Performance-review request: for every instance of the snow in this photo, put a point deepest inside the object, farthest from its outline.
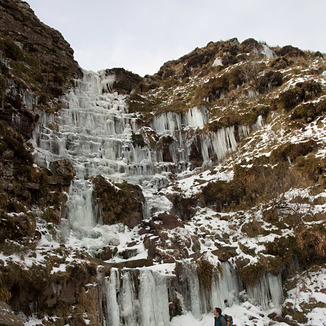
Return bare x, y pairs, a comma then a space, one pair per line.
61, 268
94, 133
217, 62
309, 289
164, 269
246, 314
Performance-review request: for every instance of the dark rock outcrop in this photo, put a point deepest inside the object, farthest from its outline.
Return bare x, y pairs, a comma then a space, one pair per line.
123, 81
36, 66
46, 45
290, 51
62, 172
8, 317
118, 203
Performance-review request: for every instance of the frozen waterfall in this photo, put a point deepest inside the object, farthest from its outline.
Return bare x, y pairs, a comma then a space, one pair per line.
149, 305
95, 132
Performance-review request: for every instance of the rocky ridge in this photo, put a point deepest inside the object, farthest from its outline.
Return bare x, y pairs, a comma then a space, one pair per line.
262, 206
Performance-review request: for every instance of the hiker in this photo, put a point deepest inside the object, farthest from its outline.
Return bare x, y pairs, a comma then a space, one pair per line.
219, 318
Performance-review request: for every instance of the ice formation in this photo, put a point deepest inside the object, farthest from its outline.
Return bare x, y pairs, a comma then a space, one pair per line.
95, 133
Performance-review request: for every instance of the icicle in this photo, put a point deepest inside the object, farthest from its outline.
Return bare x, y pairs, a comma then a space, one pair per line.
113, 317
167, 123
243, 131
193, 298
225, 287
268, 52
259, 123
218, 144
267, 292
196, 118
153, 299
275, 288
80, 206
128, 303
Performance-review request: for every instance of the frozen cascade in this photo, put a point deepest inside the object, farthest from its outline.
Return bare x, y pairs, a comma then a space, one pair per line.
94, 132
217, 145
146, 307
171, 122
80, 206
177, 126
111, 284
196, 118
227, 290
268, 52
167, 123
153, 299
129, 306
267, 292
225, 287
149, 304
193, 298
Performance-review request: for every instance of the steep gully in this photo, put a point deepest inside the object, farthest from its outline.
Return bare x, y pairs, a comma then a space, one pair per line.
94, 132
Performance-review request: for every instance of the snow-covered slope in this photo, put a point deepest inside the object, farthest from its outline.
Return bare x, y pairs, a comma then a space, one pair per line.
200, 186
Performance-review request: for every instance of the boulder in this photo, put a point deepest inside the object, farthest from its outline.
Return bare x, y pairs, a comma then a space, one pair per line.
166, 221
290, 51
249, 45
117, 203
16, 226
225, 253
124, 81
62, 172
8, 317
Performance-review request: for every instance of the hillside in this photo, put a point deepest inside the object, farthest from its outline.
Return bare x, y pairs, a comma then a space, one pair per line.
129, 200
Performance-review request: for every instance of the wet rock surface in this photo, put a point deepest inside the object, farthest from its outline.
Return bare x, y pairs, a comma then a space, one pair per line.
117, 203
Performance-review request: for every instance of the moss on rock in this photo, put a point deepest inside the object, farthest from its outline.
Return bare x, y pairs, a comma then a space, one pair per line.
117, 203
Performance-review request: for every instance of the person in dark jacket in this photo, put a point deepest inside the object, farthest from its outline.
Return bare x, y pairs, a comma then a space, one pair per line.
219, 318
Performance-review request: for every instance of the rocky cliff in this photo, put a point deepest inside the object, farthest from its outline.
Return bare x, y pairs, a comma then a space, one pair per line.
211, 171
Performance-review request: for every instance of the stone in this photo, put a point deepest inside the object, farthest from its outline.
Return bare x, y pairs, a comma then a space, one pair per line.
8, 317
117, 203
124, 80
225, 253
16, 226
167, 221
62, 172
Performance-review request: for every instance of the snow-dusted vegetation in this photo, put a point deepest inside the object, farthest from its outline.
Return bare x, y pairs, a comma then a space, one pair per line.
150, 201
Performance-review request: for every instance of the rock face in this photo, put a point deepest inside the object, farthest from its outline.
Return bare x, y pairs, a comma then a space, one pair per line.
122, 81
8, 317
62, 172
47, 46
258, 208
36, 66
118, 203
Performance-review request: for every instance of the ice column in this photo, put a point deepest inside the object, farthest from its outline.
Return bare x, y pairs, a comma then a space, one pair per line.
129, 305
147, 306
113, 317
267, 292
218, 144
225, 287
153, 299
196, 118
80, 207
191, 292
